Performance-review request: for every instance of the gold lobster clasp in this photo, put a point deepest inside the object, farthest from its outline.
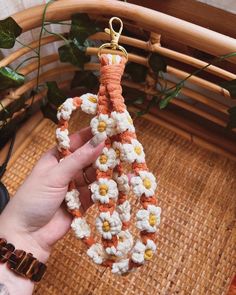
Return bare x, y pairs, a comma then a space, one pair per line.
114, 35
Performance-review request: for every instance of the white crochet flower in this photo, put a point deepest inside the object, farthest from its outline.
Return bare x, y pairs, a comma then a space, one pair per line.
108, 225
120, 267
133, 152
122, 182
89, 103
65, 110
113, 59
149, 219
124, 211
62, 137
144, 183
97, 253
123, 121
107, 160
125, 243
142, 252
72, 199
81, 228
118, 148
103, 190
102, 124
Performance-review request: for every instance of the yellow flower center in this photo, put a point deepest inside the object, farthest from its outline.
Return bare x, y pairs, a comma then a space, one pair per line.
138, 150
147, 183
103, 189
130, 120
117, 153
152, 219
148, 254
92, 99
102, 126
106, 226
121, 239
103, 159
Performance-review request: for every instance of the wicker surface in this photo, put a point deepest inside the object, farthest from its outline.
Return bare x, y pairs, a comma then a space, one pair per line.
196, 239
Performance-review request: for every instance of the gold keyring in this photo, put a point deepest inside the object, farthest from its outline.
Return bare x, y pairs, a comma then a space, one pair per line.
114, 38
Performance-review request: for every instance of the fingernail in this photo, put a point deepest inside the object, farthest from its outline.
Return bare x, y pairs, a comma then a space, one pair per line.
97, 139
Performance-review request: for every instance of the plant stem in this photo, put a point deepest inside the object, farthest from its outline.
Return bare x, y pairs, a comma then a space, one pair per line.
29, 58
216, 60
39, 47
27, 46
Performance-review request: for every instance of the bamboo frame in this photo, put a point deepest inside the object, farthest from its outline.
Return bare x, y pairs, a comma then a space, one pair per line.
154, 21
93, 51
135, 43
51, 73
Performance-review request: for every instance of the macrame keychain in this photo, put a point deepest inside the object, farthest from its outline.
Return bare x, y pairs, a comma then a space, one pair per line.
112, 188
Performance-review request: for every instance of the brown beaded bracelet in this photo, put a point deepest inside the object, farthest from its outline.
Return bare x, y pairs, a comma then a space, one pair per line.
20, 262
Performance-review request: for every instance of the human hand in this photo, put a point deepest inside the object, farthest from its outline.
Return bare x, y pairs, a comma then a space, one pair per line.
34, 218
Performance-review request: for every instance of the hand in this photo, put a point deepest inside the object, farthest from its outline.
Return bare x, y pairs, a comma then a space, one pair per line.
34, 219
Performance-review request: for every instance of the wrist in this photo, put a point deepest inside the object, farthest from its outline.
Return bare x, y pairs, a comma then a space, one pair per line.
21, 238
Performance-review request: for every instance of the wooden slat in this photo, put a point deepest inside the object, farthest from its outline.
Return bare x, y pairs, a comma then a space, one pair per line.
154, 21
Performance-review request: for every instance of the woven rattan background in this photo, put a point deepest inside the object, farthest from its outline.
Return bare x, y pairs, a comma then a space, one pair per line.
197, 236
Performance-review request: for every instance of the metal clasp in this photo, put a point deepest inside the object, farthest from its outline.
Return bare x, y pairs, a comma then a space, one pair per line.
114, 35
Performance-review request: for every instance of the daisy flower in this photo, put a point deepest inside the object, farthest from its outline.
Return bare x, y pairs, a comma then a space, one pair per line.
125, 243
107, 160
72, 199
144, 183
80, 227
120, 267
122, 182
142, 252
124, 211
123, 121
118, 148
149, 219
113, 59
62, 137
108, 225
133, 152
102, 124
103, 190
96, 253
89, 103
65, 110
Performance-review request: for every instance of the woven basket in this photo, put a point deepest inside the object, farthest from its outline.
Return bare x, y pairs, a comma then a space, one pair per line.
197, 187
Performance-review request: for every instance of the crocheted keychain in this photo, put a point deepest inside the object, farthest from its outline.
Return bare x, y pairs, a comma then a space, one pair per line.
111, 190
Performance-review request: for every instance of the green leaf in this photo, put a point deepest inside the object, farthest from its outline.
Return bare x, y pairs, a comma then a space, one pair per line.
137, 72
49, 112
74, 54
10, 78
169, 96
9, 31
157, 63
232, 118
55, 95
230, 86
82, 27
85, 79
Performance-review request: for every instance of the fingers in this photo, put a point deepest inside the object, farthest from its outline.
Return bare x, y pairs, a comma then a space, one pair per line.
67, 169
77, 139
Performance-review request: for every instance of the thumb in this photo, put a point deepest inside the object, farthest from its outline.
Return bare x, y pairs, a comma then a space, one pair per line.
82, 157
